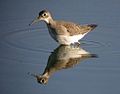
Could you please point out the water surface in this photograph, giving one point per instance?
(26, 49)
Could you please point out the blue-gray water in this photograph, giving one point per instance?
(26, 49)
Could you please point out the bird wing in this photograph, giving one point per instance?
(75, 29)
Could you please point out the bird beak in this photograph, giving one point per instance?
(35, 21)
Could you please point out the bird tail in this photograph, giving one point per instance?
(92, 26)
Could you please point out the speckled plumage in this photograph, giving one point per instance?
(72, 28)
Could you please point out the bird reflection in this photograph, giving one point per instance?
(63, 57)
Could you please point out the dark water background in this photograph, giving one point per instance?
(26, 49)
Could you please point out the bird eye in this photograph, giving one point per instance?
(44, 15)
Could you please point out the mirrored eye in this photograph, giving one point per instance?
(43, 81)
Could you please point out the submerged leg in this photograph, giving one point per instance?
(75, 44)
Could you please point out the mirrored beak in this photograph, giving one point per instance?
(35, 21)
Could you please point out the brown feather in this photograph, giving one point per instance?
(75, 29)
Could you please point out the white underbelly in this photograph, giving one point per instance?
(67, 40)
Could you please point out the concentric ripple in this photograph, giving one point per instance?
(91, 43)
(26, 39)
(32, 39)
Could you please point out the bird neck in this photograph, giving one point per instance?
(49, 21)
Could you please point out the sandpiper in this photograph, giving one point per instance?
(65, 33)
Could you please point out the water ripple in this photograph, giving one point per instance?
(26, 48)
(91, 43)
(22, 31)
(17, 38)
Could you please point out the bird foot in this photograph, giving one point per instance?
(75, 45)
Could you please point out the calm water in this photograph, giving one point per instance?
(25, 49)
